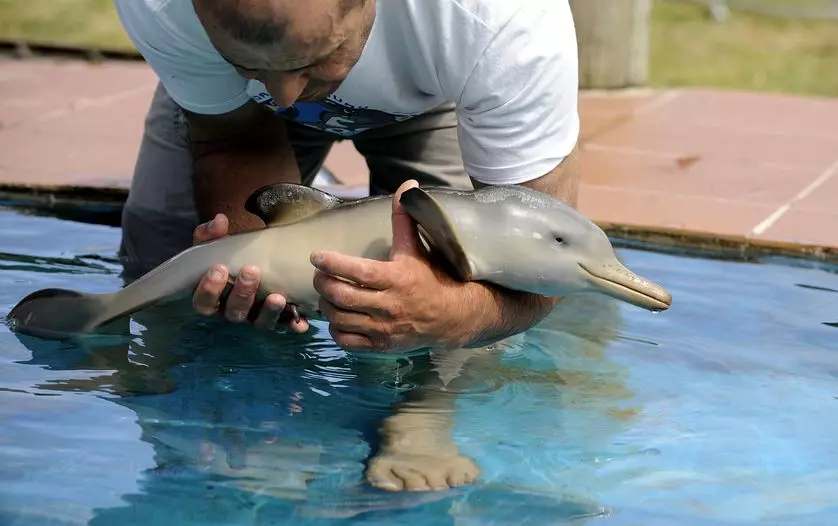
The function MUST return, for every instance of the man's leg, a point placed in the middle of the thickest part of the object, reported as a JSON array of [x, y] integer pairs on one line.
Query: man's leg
[[423, 148], [159, 216], [417, 449]]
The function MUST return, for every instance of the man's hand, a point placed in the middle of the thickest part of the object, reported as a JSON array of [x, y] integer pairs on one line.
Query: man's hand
[[407, 303], [398, 305], [207, 296], [234, 154]]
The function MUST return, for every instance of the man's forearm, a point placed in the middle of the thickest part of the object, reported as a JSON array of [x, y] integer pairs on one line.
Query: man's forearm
[[224, 180], [505, 312], [228, 167]]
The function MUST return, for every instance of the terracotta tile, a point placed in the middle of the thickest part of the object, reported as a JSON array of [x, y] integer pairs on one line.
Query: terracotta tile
[[661, 209], [598, 112], [347, 192], [823, 198], [731, 135], [35, 87], [761, 113], [739, 179], [347, 164], [95, 146], [615, 103], [805, 227]]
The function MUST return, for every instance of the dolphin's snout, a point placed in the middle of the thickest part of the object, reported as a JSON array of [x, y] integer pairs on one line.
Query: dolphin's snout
[[615, 280]]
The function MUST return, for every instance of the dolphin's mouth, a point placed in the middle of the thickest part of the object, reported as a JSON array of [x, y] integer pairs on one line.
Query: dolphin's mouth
[[617, 281]]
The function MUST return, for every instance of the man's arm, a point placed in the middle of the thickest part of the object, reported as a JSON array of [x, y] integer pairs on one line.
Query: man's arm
[[519, 118], [510, 312], [237, 146], [407, 303], [235, 154]]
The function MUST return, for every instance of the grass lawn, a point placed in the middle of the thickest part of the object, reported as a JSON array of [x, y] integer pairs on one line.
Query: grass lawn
[[81, 23], [688, 49], [747, 51]]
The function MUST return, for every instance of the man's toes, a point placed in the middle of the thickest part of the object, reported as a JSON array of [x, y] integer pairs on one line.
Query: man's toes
[[413, 481], [471, 475], [456, 478], [436, 480], [465, 474], [384, 479]]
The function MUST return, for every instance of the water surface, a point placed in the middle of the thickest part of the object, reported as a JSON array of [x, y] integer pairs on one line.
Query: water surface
[[719, 411]]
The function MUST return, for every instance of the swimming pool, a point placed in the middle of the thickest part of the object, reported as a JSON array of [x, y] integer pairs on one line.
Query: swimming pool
[[719, 411]]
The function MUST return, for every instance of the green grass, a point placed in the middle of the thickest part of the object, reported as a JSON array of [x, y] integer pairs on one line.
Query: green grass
[[748, 51], [79, 23]]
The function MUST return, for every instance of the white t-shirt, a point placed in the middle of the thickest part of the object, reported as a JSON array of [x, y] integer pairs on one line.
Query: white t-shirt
[[509, 65]]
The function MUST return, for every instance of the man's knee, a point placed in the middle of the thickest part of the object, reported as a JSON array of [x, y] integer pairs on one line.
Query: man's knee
[[425, 148]]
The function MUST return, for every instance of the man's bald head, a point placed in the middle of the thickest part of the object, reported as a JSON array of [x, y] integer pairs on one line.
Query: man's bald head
[[300, 49], [263, 22]]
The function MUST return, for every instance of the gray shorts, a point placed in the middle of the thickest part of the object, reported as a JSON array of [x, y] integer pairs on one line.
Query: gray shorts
[[159, 216]]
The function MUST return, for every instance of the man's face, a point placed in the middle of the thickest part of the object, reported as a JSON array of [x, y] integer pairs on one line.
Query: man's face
[[312, 56]]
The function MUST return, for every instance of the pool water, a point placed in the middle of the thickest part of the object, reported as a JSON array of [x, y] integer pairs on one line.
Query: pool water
[[719, 411]]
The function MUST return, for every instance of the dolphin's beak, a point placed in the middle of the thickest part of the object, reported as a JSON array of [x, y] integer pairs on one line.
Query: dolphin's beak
[[615, 280]]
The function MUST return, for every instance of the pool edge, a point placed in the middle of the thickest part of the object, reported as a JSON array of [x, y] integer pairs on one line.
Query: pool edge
[[103, 205]]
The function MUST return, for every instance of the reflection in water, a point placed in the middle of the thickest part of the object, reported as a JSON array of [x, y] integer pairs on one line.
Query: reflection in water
[[719, 411], [270, 423]]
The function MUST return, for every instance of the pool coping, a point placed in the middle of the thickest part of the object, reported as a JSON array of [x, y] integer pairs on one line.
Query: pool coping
[[73, 201]]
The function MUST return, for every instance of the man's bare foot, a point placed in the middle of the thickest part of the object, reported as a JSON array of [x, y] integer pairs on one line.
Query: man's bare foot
[[418, 459], [420, 472]]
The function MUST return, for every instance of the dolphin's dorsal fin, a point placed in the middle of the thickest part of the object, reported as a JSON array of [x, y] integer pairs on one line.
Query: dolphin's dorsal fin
[[283, 203], [436, 227]]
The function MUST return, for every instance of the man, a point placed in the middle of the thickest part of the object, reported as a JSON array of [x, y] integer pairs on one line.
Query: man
[[458, 93]]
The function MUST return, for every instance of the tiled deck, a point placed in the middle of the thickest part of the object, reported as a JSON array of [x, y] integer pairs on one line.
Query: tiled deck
[[745, 168]]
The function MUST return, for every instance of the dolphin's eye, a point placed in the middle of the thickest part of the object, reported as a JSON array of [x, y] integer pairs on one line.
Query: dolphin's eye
[[559, 240]]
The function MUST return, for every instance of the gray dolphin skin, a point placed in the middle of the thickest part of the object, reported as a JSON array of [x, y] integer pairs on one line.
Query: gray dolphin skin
[[508, 235]]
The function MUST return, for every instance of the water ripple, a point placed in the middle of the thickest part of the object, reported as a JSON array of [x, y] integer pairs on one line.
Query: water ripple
[[718, 411]]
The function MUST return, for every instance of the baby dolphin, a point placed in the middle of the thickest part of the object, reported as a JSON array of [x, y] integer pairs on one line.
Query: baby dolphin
[[508, 235]]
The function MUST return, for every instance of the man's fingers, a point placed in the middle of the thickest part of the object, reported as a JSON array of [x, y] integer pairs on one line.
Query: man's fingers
[[344, 294], [214, 229], [406, 241], [209, 290], [345, 320], [299, 327], [270, 312], [238, 305], [365, 272], [351, 341], [243, 294]]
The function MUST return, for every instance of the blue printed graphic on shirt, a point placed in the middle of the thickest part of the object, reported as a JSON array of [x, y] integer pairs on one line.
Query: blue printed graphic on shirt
[[332, 115]]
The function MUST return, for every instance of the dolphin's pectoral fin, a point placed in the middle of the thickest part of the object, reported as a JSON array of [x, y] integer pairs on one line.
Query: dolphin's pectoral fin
[[436, 228], [288, 202]]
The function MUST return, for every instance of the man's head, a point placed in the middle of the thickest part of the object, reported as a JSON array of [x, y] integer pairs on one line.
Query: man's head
[[300, 50]]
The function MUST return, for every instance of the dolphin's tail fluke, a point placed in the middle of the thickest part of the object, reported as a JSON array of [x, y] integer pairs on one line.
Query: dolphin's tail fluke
[[58, 313]]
